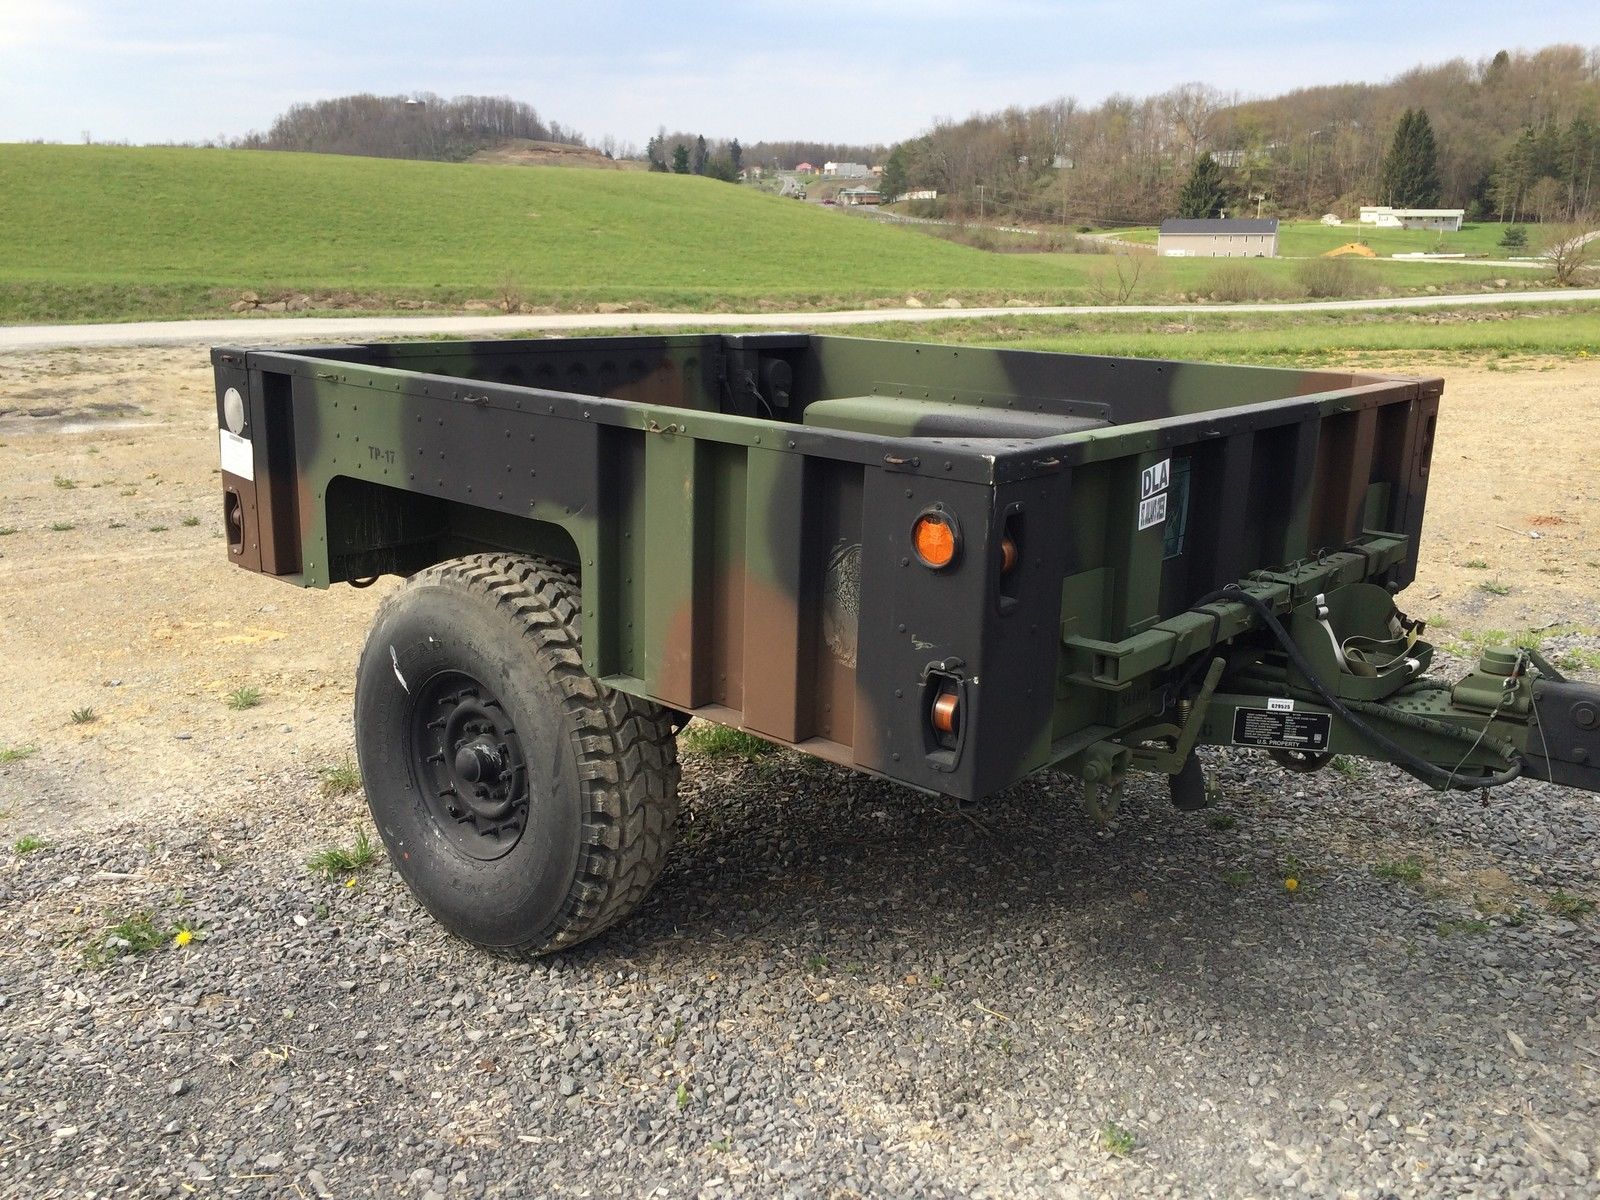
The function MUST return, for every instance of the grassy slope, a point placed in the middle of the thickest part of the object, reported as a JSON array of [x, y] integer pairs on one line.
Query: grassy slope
[[94, 233], [236, 218]]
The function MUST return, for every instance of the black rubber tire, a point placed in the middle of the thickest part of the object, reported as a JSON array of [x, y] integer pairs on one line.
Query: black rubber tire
[[601, 767]]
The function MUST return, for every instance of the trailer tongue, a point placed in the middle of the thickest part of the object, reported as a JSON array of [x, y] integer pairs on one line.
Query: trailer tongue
[[946, 566]]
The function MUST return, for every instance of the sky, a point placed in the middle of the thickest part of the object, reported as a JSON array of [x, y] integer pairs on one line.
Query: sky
[[862, 71]]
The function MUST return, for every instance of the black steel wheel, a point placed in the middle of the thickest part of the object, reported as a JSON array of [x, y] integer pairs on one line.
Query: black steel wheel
[[468, 761], [526, 805]]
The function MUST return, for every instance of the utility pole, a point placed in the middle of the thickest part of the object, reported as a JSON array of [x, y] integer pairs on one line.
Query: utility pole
[[1258, 198], [980, 204]]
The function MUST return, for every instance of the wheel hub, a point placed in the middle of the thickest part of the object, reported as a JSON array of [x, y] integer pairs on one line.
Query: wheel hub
[[480, 762], [468, 762]]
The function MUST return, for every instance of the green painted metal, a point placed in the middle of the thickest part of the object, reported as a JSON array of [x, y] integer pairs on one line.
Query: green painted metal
[[740, 512]]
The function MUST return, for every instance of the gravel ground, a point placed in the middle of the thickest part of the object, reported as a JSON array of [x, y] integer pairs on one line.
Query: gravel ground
[[840, 988]]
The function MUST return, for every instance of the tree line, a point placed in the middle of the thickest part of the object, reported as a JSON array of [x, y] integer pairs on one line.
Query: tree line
[[421, 125], [691, 154], [1514, 137], [725, 158], [1509, 137]]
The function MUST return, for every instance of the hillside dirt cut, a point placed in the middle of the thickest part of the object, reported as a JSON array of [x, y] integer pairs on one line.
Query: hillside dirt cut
[[1339, 984], [522, 152]]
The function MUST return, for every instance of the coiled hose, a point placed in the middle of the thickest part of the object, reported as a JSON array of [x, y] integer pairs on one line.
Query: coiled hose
[[1403, 758]]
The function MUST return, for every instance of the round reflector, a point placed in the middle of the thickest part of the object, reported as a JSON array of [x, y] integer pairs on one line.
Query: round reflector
[[934, 539], [233, 410], [943, 715]]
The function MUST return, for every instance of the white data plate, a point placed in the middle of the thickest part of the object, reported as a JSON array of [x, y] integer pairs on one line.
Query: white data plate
[[238, 455]]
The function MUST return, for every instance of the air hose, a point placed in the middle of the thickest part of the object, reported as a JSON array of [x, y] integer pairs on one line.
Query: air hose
[[1403, 758]]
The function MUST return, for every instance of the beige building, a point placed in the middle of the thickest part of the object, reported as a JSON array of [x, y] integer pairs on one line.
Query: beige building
[[1232, 237]]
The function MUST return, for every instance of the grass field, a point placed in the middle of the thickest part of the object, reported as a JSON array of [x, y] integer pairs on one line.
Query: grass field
[[1496, 333], [109, 233], [1298, 338], [1303, 239]]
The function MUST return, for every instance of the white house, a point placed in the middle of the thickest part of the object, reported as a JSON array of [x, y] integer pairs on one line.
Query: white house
[[845, 170], [1442, 220]]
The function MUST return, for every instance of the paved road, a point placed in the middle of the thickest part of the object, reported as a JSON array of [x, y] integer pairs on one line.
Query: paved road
[[281, 330]]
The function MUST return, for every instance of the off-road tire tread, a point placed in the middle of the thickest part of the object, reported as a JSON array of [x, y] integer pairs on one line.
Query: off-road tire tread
[[626, 749]]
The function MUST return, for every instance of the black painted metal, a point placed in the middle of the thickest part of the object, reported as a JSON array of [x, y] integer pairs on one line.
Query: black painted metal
[[1566, 749]]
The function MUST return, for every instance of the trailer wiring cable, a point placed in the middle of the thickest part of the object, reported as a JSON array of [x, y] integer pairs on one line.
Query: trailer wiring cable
[[1411, 763], [1438, 728], [1482, 733]]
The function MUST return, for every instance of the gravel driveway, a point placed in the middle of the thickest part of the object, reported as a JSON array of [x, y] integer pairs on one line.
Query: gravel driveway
[[840, 988]]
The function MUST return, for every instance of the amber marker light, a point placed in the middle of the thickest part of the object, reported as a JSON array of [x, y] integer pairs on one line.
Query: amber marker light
[[1008, 554], [934, 539], [943, 715]]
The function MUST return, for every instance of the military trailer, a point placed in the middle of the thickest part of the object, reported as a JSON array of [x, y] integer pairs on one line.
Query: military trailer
[[945, 566]]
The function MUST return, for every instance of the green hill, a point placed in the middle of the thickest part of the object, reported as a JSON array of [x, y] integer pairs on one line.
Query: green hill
[[97, 233], [173, 223]]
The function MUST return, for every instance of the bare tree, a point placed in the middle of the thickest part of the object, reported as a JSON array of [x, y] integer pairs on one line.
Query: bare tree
[[1572, 251], [1114, 280], [1191, 108]]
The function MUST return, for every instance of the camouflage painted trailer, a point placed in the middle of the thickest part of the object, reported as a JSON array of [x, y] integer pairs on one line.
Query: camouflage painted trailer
[[945, 566]]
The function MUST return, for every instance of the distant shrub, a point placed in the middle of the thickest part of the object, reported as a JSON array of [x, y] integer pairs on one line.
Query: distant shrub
[[1515, 237], [1051, 242], [979, 237], [1324, 277], [1238, 281]]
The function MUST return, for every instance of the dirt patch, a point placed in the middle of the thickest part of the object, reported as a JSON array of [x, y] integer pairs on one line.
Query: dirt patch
[[15, 420], [1511, 540], [116, 595], [521, 152], [117, 603]]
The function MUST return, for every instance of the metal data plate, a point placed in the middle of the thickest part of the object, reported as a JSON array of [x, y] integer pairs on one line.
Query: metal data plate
[[1282, 730]]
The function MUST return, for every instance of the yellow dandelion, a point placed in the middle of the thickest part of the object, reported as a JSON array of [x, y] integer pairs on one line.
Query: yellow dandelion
[[184, 937], [351, 882], [1291, 884]]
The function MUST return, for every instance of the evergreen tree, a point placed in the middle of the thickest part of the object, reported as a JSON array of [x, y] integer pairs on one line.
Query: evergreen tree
[[894, 178], [1202, 195], [736, 156], [1580, 157], [1513, 175], [1547, 152], [1410, 176], [698, 160], [653, 150], [680, 159]]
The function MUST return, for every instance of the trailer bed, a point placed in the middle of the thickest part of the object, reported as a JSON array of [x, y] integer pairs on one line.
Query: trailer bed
[[740, 512]]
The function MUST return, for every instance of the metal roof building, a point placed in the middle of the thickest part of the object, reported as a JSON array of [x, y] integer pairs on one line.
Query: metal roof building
[[1233, 237]]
